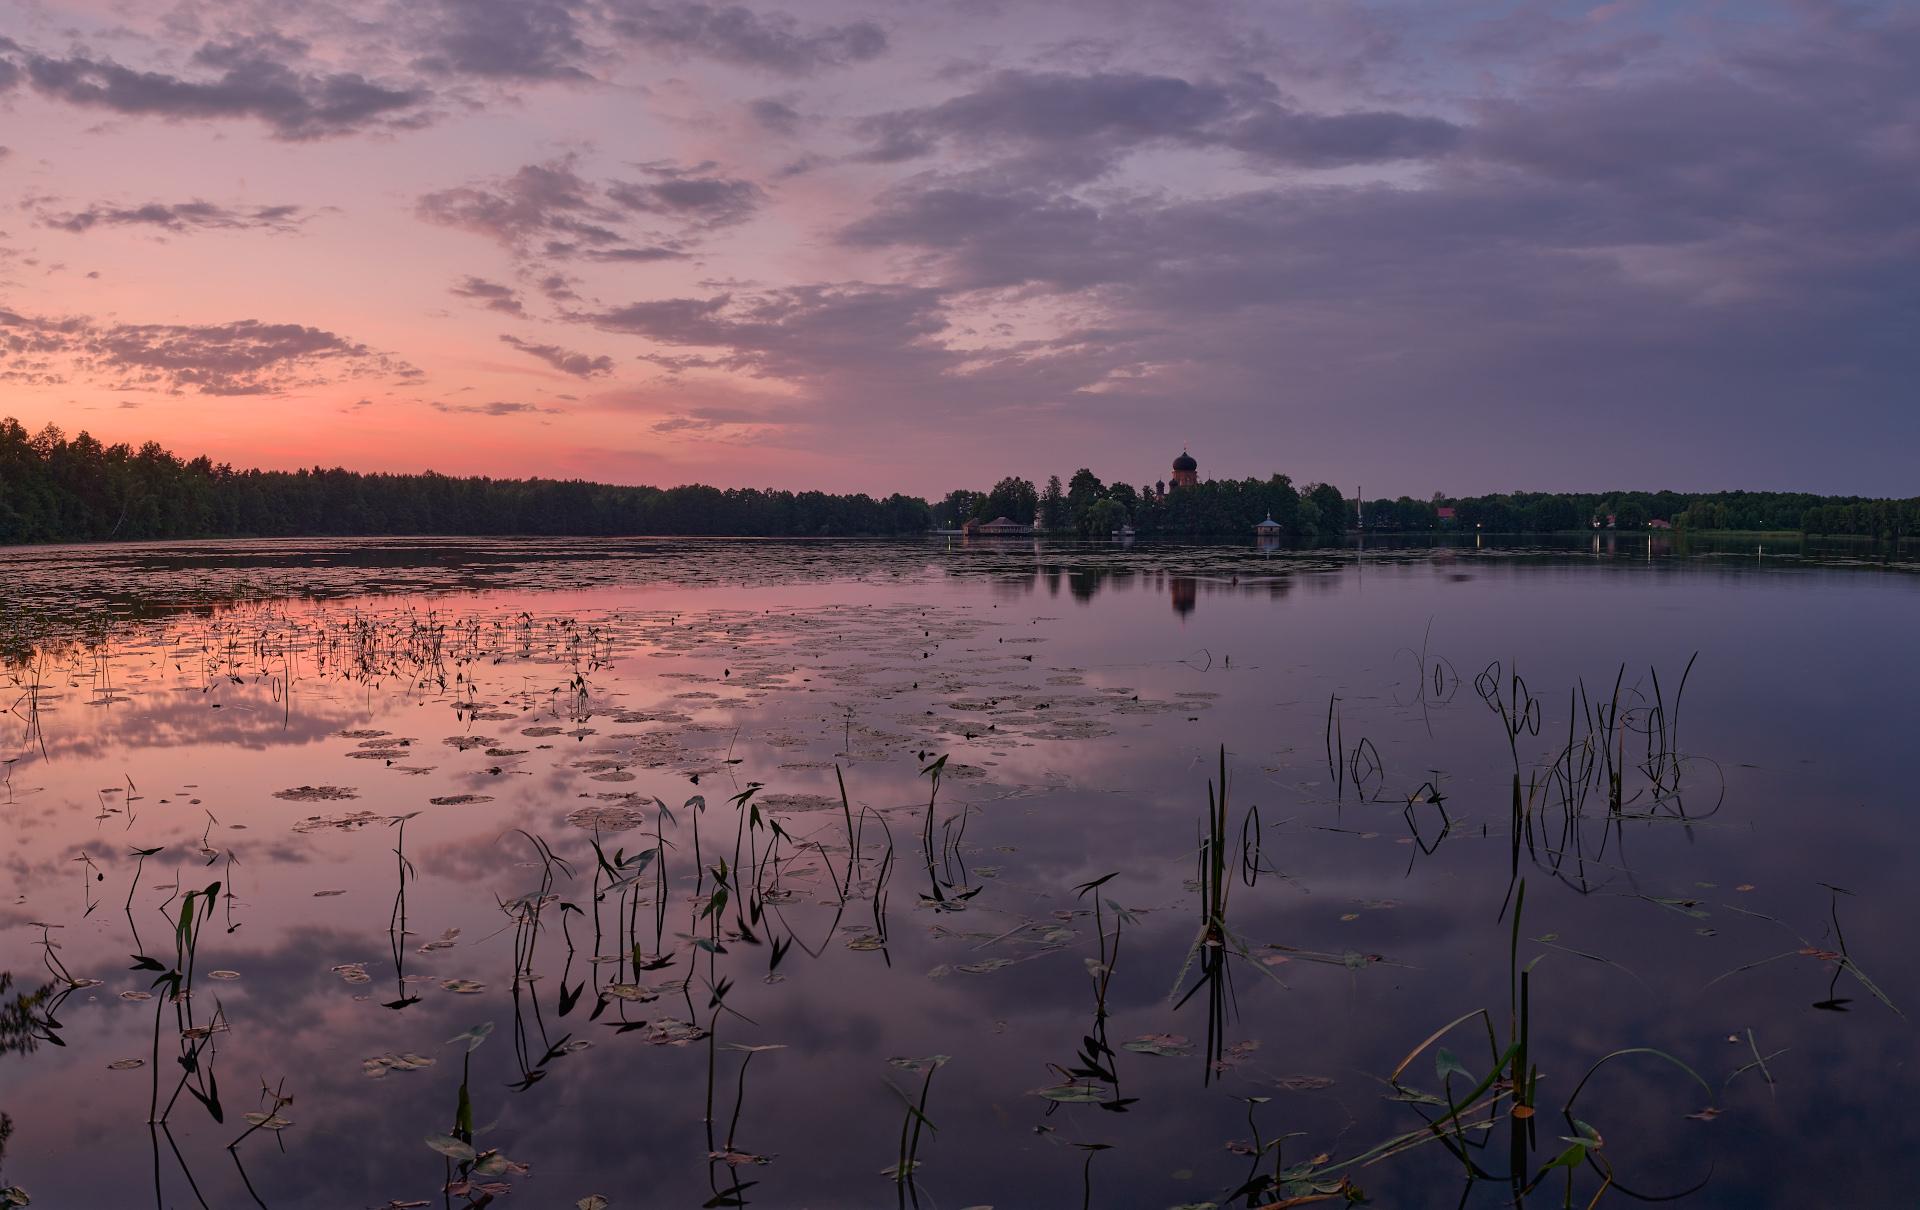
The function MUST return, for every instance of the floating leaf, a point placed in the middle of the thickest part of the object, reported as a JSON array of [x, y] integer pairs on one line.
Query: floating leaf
[[607, 817], [378, 1066], [1304, 1083], [454, 1149], [316, 794], [472, 1037], [1078, 1092], [631, 992], [1169, 1045], [492, 1163]]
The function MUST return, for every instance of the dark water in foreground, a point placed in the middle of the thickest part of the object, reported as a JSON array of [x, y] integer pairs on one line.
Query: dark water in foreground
[[257, 715]]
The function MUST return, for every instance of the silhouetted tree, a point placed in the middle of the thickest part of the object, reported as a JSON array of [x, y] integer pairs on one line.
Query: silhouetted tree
[[1104, 517], [957, 508], [1053, 505], [1082, 490], [1012, 498]]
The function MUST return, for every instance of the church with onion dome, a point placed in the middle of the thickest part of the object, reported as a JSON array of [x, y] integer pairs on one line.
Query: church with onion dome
[[1186, 472]]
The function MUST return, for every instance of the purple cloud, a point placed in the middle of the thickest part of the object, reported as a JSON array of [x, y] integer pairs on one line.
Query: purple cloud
[[549, 211], [489, 294], [698, 197], [244, 357], [506, 39], [1069, 125], [495, 408], [580, 365], [732, 33], [178, 218], [247, 78]]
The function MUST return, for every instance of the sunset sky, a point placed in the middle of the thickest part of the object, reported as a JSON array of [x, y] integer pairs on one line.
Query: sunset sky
[[1407, 246]]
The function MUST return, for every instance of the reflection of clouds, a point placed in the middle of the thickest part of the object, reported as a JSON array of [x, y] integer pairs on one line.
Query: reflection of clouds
[[244, 583], [182, 719], [1049, 814]]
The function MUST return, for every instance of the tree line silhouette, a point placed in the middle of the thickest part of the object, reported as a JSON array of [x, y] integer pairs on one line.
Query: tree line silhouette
[[59, 489], [56, 489], [1087, 506], [1319, 512]]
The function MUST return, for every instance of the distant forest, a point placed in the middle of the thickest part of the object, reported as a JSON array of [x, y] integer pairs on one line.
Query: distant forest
[[1089, 507], [1554, 512], [53, 489], [1086, 506], [59, 489]]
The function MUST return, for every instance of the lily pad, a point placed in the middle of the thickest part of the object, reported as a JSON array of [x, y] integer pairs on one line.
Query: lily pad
[[454, 1149], [1168, 1045], [316, 794]]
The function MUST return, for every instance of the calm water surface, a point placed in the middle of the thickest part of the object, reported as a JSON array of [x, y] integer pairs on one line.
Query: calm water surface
[[259, 715]]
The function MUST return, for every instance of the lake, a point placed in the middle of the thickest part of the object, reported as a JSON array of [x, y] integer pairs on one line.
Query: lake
[[427, 872]]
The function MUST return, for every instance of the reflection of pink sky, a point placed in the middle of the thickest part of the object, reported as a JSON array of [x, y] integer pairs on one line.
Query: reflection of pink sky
[[175, 746], [167, 736], [1127, 802]]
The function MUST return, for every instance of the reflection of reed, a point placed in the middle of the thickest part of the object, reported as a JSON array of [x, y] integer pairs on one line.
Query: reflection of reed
[[1214, 942], [1624, 749]]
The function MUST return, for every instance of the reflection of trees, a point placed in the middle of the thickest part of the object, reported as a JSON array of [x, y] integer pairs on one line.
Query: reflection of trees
[[21, 1028], [21, 1032], [1085, 582]]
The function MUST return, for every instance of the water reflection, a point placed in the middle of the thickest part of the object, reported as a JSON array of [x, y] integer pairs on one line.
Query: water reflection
[[75, 588], [1185, 590], [625, 851]]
